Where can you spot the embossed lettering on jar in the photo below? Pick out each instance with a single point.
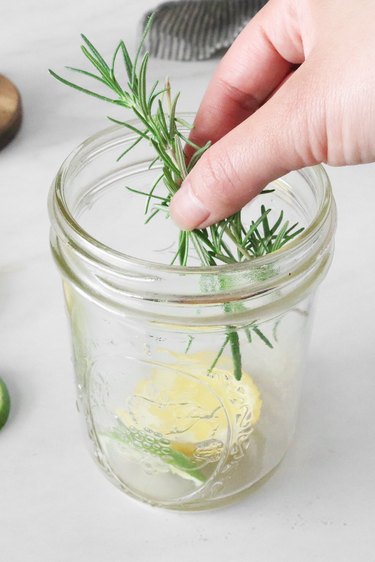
(168, 422)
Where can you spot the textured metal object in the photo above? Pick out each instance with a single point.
(190, 30)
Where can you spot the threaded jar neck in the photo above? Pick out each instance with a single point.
(123, 280)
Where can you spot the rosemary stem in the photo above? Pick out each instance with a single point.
(236, 353)
(198, 249)
(240, 248)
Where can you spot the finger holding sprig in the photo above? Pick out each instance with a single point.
(322, 112)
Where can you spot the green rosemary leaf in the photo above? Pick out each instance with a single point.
(237, 225)
(144, 193)
(180, 157)
(214, 237)
(143, 101)
(184, 123)
(114, 58)
(261, 335)
(169, 181)
(291, 228)
(172, 116)
(96, 54)
(197, 155)
(170, 166)
(279, 239)
(153, 162)
(80, 89)
(163, 127)
(277, 223)
(190, 341)
(127, 60)
(89, 74)
(260, 243)
(220, 353)
(248, 335)
(186, 139)
(221, 257)
(184, 253)
(129, 126)
(100, 64)
(153, 187)
(226, 249)
(291, 236)
(150, 217)
(232, 236)
(265, 223)
(254, 226)
(141, 45)
(204, 256)
(103, 71)
(177, 254)
(162, 207)
(153, 89)
(243, 229)
(203, 236)
(221, 231)
(154, 97)
(144, 119)
(128, 66)
(137, 141)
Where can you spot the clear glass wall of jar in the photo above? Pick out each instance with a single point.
(168, 422)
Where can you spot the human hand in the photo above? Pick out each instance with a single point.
(296, 88)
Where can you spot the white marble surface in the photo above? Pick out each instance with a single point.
(54, 503)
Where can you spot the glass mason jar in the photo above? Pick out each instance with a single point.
(168, 421)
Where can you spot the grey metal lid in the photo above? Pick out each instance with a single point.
(190, 30)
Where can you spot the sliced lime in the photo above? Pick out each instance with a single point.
(148, 444)
(4, 403)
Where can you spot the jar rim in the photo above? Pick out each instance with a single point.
(94, 246)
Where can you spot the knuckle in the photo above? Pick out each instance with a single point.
(243, 99)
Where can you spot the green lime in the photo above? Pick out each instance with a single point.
(4, 403)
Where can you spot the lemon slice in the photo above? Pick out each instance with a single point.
(193, 408)
(4, 403)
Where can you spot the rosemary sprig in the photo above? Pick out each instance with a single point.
(229, 241)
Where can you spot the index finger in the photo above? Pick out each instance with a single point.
(258, 61)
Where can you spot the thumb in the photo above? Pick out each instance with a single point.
(284, 134)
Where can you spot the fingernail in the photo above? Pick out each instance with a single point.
(186, 209)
